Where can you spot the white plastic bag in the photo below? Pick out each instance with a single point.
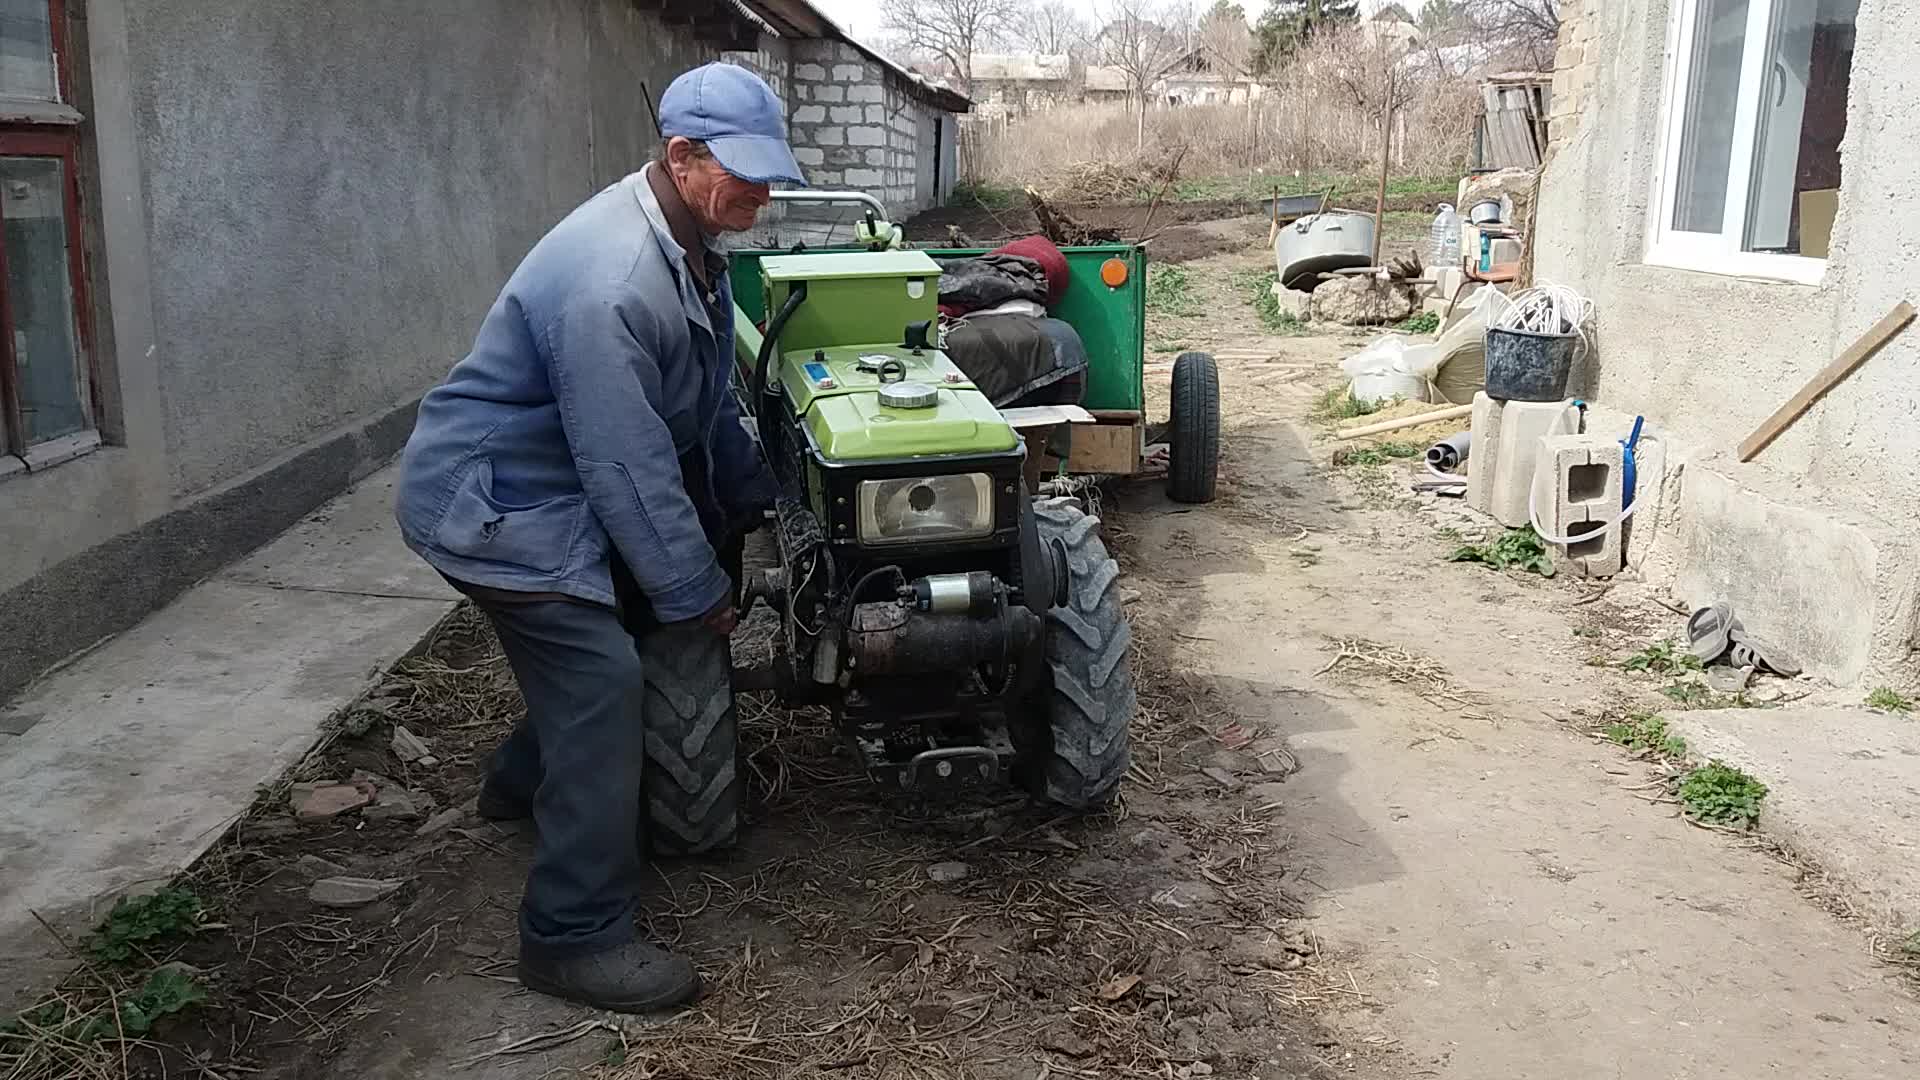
(1379, 372)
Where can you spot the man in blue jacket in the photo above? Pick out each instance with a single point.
(591, 438)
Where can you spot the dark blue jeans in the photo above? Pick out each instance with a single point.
(576, 759)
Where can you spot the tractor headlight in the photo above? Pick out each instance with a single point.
(926, 508)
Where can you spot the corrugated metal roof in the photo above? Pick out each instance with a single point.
(1021, 67)
(800, 19)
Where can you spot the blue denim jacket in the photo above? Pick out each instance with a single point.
(598, 368)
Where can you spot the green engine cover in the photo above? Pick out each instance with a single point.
(840, 405)
(853, 297)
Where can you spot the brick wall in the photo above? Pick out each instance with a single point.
(854, 126)
(1576, 65)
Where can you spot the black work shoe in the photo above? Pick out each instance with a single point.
(496, 805)
(631, 978)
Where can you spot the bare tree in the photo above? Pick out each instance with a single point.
(1048, 26)
(1225, 39)
(1142, 39)
(953, 30)
(1529, 26)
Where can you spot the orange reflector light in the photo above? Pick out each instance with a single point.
(1114, 273)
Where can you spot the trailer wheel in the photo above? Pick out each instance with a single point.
(1077, 761)
(691, 778)
(1193, 451)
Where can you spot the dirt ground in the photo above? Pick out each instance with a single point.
(1369, 833)
(1180, 231)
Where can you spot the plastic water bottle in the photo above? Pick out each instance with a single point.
(1446, 237)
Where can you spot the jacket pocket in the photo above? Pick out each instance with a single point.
(537, 537)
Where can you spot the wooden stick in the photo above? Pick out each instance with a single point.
(1386, 159)
(1858, 353)
(1454, 413)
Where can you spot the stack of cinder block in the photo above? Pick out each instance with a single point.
(1528, 451)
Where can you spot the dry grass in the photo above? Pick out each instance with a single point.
(1323, 118)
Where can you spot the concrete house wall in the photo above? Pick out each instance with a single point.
(303, 210)
(1813, 541)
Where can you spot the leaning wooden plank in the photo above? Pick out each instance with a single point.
(1816, 388)
(1453, 413)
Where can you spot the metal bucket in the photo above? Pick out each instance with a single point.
(1320, 244)
(1524, 366)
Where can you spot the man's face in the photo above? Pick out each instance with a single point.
(720, 201)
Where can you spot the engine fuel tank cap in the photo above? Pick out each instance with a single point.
(908, 395)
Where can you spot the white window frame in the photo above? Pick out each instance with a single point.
(1717, 253)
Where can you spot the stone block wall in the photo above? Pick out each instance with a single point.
(854, 125)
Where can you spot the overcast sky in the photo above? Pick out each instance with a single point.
(861, 18)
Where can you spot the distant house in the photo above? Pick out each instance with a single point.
(1392, 26)
(1197, 79)
(1015, 84)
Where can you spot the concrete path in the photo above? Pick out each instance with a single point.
(122, 768)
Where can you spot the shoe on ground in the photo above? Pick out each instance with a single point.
(631, 978)
(495, 805)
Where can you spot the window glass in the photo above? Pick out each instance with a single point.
(26, 51)
(40, 297)
(1712, 98)
(1802, 117)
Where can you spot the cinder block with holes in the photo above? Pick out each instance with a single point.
(1577, 488)
(1506, 446)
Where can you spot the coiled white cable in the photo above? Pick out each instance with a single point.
(1550, 309)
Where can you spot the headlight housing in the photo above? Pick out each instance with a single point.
(923, 508)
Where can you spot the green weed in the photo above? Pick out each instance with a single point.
(1164, 347)
(1718, 794)
(1380, 455)
(1889, 700)
(1170, 292)
(1645, 731)
(1424, 323)
(1911, 946)
(1661, 658)
(1337, 404)
(137, 922)
(1514, 549)
(980, 193)
(1691, 695)
(69, 1021)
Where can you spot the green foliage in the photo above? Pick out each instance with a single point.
(1288, 24)
(1170, 292)
(1516, 548)
(1719, 794)
(1164, 347)
(1337, 404)
(137, 922)
(166, 991)
(1380, 455)
(1911, 946)
(984, 194)
(1424, 323)
(1645, 731)
(1661, 658)
(1889, 700)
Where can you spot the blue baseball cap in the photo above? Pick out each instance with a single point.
(737, 116)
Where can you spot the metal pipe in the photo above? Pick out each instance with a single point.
(806, 196)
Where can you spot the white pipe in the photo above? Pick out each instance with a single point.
(1533, 512)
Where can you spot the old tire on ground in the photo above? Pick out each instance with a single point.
(1087, 689)
(691, 780)
(1193, 450)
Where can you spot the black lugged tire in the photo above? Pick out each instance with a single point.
(1088, 689)
(1193, 448)
(691, 779)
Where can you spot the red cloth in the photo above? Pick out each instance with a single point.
(1047, 254)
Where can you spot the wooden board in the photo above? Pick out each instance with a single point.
(1113, 449)
(1817, 387)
